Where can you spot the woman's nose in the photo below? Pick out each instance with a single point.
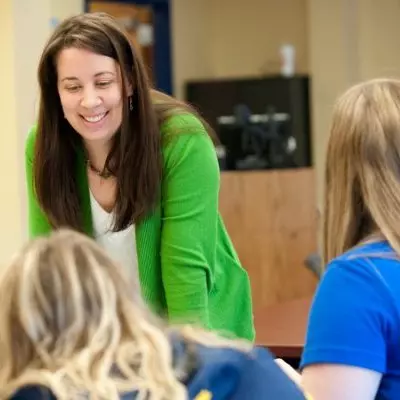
(90, 98)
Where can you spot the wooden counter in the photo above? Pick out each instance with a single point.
(271, 218)
(282, 327)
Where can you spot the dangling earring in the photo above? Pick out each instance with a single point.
(130, 103)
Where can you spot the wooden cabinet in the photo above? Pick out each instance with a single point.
(271, 217)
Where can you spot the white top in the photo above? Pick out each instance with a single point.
(121, 246)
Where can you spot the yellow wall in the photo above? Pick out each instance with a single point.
(234, 38)
(246, 36)
(24, 28)
(10, 166)
(65, 8)
(332, 43)
(379, 32)
(347, 44)
(191, 42)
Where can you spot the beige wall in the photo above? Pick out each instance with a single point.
(233, 38)
(191, 50)
(379, 32)
(347, 44)
(24, 28)
(10, 168)
(333, 66)
(246, 36)
(61, 9)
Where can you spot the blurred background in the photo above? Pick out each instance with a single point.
(264, 73)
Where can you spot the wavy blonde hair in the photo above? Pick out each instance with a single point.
(362, 175)
(70, 321)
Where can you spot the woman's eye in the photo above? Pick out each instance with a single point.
(103, 84)
(73, 89)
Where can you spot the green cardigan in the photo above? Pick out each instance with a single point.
(188, 269)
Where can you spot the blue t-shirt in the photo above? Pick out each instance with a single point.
(355, 316)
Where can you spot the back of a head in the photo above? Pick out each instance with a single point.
(362, 193)
(69, 318)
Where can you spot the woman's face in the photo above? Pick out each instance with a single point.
(90, 89)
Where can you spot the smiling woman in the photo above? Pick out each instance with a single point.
(137, 170)
(82, 76)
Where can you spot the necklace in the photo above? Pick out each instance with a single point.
(105, 174)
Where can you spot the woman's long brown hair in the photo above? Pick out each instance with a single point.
(135, 157)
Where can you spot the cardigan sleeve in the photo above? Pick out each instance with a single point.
(37, 221)
(189, 224)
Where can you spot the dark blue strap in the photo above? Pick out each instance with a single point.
(33, 393)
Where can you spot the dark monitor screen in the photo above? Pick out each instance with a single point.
(217, 100)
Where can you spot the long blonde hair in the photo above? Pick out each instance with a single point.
(362, 175)
(69, 321)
